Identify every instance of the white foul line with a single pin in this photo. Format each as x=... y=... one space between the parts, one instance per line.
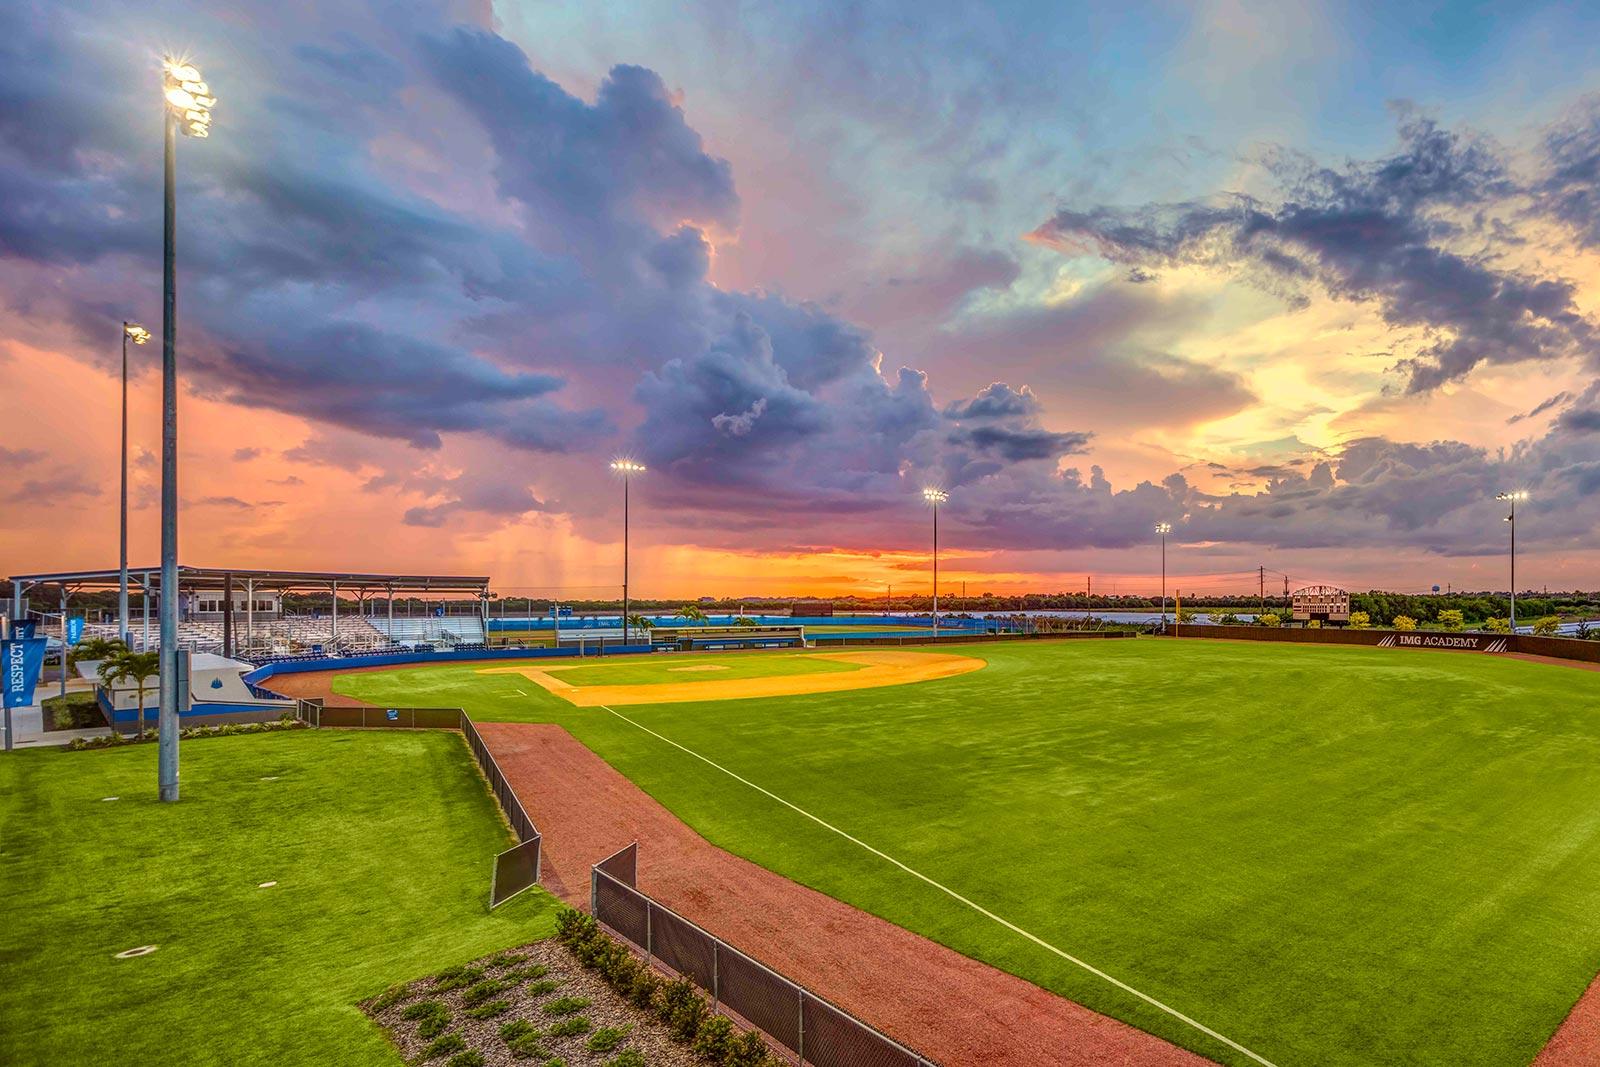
x=979 y=908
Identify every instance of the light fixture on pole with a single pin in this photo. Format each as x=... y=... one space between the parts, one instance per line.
x=188 y=108
x=935 y=497
x=1163 y=528
x=131 y=331
x=626 y=468
x=1511 y=498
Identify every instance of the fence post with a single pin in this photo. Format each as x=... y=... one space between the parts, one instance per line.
x=716 y=977
x=649 y=934
x=800 y=1053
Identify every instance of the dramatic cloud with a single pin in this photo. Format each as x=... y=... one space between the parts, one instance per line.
x=1413 y=233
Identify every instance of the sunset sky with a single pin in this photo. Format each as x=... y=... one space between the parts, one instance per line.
x=1312 y=282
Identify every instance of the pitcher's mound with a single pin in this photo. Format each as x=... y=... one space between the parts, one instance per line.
x=698 y=667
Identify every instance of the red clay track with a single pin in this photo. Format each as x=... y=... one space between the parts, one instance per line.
x=946 y=1006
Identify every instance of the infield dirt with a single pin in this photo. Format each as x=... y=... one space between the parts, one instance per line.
x=879 y=667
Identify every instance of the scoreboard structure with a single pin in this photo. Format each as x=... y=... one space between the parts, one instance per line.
x=1322 y=603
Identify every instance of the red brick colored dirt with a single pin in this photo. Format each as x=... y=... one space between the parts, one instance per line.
x=948 y=1007
x=1576 y=1042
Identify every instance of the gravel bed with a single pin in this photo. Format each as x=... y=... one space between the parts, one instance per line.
x=606 y=1008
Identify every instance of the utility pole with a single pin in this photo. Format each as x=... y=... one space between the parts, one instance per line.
x=1261 y=590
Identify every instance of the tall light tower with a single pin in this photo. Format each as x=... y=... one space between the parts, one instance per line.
x=626 y=468
x=1511 y=498
x=1163 y=528
x=935 y=497
x=131 y=331
x=188 y=108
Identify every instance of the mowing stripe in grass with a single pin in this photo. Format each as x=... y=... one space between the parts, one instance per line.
x=979 y=908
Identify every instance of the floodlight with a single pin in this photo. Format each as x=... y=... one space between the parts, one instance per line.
x=136 y=333
x=190 y=98
x=1163 y=527
x=935 y=496
x=627 y=466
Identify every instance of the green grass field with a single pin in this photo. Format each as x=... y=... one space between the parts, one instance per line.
x=655 y=670
x=1331 y=855
x=381 y=847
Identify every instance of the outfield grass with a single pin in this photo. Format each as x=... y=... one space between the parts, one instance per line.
x=381 y=846
x=1332 y=855
x=656 y=670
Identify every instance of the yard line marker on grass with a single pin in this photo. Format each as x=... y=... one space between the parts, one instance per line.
x=974 y=905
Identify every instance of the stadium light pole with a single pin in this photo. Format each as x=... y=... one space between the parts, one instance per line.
x=626 y=468
x=131 y=331
x=1512 y=497
x=188 y=104
x=1163 y=528
x=935 y=497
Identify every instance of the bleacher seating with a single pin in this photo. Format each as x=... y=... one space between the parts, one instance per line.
x=449 y=631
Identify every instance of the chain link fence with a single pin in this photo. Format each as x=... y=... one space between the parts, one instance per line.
x=813 y=1030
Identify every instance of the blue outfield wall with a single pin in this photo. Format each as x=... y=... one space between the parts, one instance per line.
x=604 y=622
x=401 y=659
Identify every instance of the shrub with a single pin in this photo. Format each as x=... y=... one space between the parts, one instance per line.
x=747 y=1050
x=523 y=974
x=574 y=926
x=566 y=1005
x=504 y=959
x=1497 y=626
x=529 y=1046
x=516 y=1028
x=607 y=1038
x=1269 y=619
x=644 y=989
x=470 y=1058
x=1227 y=618
x=489 y=1010
x=1546 y=626
x=1452 y=620
x=681 y=1007
x=1314 y=624
x=1404 y=622
x=1360 y=620
x=628 y=1057
x=431 y=1017
x=75 y=711
x=484 y=992
x=578 y=1024
x=539 y=989
x=390 y=997
x=457 y=978
x=713 y=1039
x=451 y=1042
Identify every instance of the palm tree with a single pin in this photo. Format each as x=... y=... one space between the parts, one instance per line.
x=138 y=666
x=640 y=622
x=95 y=649
x=691 y=613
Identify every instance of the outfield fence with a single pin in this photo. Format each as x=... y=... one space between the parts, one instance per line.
x=813 y=1030
x=517 y=868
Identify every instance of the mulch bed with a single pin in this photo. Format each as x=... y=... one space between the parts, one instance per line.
x=526 y=1001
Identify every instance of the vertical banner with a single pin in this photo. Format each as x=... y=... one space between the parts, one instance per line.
x=21 y=661
x=75 y=629
x=24 y=629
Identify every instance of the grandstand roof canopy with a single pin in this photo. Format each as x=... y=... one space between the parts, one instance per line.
x=264 y=579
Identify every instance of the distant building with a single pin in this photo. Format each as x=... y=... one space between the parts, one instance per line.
x=1322 y=603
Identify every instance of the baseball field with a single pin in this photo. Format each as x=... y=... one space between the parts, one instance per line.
x=1319 y=854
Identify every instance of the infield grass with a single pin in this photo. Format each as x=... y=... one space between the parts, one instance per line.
x=680 y=669
x=380 y=843
x=1331 y=855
